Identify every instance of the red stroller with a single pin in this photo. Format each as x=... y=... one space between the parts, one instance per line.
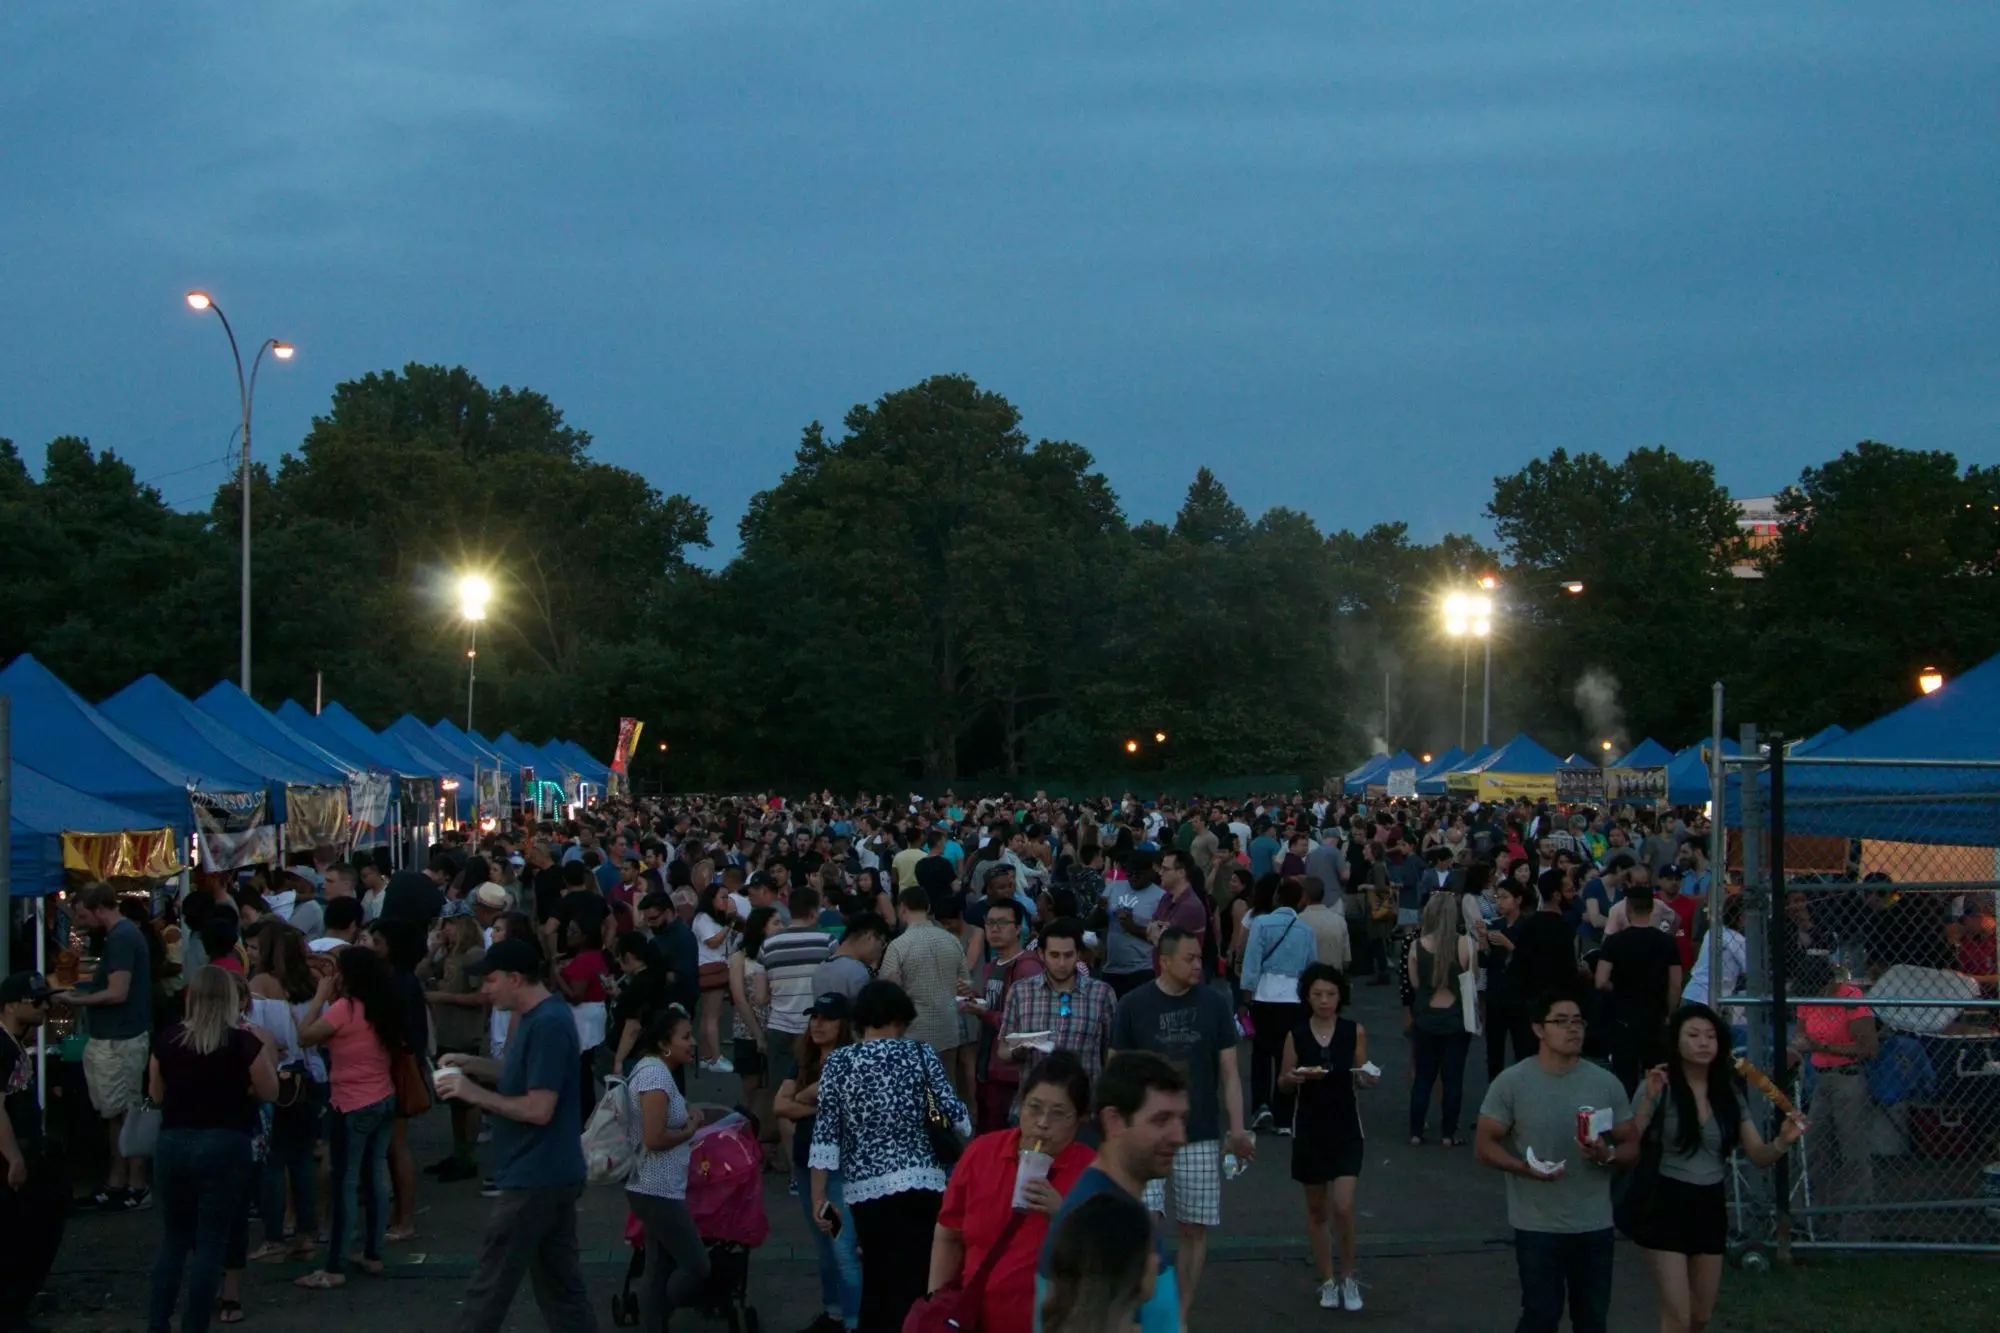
x=725 y=1195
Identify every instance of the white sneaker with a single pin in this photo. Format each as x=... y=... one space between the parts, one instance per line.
x=1329 y=1294
x=719 y=1065
x=1262 y=1120
x=1350 y=1295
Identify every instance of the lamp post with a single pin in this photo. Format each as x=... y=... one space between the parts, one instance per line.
x=1930 y=680
x=246 y=394
x=1468 y=616
x=474 y=592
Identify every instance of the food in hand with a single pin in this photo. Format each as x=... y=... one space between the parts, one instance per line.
x=1761 y=1081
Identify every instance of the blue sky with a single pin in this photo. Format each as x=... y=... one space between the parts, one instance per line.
x=1358 y=258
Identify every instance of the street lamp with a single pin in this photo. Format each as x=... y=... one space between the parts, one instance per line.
x=246 y=394
x=1159 y=738
x=474 y=592
x=1930 y=680
x=1131 y=747
x=1468 y=616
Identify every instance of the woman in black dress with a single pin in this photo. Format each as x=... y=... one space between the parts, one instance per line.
x=1325 y=1059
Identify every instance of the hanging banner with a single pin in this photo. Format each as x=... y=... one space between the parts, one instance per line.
x=1580 y=786
x=315 y=817
x=628 y=742
x=233 y=829
x=368 y=807
x=418 y=799
x=492 y=790
x=1403 y=783
x=1640 y=786
x=140 y=854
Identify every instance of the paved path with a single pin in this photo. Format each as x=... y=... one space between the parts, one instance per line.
x=1433 y=1237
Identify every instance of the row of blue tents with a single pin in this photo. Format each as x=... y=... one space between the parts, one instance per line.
x=148 y=758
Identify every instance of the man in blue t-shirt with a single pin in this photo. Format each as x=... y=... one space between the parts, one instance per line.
x=1142 y=1108
x=1264 y=850
x=535 y=1109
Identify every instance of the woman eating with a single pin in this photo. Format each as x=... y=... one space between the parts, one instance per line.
x=1324 y=1058
x=979 y=1213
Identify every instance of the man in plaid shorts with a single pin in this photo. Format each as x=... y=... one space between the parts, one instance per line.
x=1178 y=1017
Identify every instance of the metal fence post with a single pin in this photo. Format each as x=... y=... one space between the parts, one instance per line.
x=1781 y=1177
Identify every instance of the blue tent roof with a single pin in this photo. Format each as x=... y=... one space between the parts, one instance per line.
x=1818 y=741
x=510 y=745
x=1950 y=806
x=586 y=764
x=41 y=810
x=1523 y=754
x=470 y=744
x=1439 y=763
x=353 y=743
x=1377 y=770
x=1648 y=753
x=1433 y=783
x=1576 y=760
x=59 y=734
x=1687 y=775
x=230 y=706
x=157 y=713
x=445 y=760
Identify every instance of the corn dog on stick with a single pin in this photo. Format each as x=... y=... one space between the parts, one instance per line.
x=1761 y=1081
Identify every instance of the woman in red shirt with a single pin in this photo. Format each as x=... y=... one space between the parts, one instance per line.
x=979 y=1202
x=580 y=976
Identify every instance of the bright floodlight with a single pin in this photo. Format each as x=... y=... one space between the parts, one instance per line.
x=199 y=300
x=1930 y=680
x=1468 y=614
x=1605 y=746
x=474 y=592
x=283 y=351
x=1488 y=582
x=1573 y=587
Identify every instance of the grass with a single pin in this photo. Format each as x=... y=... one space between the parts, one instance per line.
x=1882 y=1294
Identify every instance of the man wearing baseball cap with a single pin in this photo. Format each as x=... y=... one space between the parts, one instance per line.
x=534 y=1100
x=34 y=1190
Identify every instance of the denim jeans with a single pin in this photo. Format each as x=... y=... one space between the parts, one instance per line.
x=839 y=1256
x=360 y=1154
x=294 y=1133
x=200 y=1179
x=1554 y=1264
x=1438 y=1057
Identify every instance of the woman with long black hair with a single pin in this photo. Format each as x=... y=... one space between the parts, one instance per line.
x=1704 y=1120
x=402 y=944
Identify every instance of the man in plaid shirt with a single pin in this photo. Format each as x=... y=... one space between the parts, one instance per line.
x=1075 y=1009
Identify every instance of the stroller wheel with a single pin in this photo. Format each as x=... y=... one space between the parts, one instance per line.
x=750 y=1321
x=625 y=1309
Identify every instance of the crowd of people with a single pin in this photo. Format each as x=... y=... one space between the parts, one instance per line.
x=1066 y=983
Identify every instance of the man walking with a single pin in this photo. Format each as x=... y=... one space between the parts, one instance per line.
x=1641 y=968
x=119 y=998
x=1142 y=1112
x=1177 y=1017
x=1076 y=1011
x=535 y=1109
x=1558 y=1201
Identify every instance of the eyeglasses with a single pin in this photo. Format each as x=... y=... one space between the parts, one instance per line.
x=1576 y=1021
x=1046 y=1113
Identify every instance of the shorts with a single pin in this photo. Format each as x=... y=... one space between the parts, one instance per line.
x=1197 y=1186
x=1685 y=1219
x=749 y=1061
x=114 y=1069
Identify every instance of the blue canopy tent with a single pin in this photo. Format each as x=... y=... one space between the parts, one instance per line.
x=1375 y=773
x=1576 y=760
x=163 y=717
x=587 y=765
x=64 y=738
x=1433 y=783
x=470 y=743
x=1687 y=775
x=351 y=742
x=1521 y=767
x=1648 y=753
x=1352 y=781
x=1816 y=742
x=42 y=810
x=1438 y=764
x=230 y=706
x=1907 y=803
x=412 y=737
x=512 y=747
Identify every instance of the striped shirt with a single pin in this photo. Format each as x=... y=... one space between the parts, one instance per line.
x=789 y=957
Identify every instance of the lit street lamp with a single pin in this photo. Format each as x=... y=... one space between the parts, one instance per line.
x=1131 y=747
x=474 y=592
x=1468 y=616
x=1930 y=680
x=246 y=394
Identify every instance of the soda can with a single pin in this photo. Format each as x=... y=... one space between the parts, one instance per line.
x=1583 y=1115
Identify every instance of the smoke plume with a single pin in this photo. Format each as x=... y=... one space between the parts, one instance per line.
x=1596 y=697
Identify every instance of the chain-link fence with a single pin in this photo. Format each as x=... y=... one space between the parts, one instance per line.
x=1869 y=996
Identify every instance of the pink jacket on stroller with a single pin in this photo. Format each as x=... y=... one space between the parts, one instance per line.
x=725 y=1189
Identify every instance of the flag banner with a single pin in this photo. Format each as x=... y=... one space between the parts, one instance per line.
x=315 y=817
x=233 y=829
x=368 y=805
x=628 y=742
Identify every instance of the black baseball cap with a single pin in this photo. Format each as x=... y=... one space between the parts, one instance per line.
x=24 y=986
x=509 y=956
x=832 y=1005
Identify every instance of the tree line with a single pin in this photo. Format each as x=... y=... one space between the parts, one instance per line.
x=928 y=595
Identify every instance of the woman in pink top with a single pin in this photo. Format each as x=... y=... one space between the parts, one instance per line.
x=1836 y=1039
x=357 y=1015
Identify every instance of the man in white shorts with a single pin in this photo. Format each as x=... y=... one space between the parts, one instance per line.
x=1176 y=1016
x=118 y=998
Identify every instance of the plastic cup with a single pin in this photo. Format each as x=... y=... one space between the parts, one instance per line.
x=1034 y=1166
x=446 y=1081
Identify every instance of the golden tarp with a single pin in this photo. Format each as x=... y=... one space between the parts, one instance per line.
x=141 y=854
x=315 y=817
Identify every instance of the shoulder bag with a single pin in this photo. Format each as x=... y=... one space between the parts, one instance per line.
x=1635 y=1195
x=944 y=1142
x=412 y=1078
x=1468 y=992
x=953 y=1308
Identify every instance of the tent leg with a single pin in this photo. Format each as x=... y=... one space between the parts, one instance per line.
x=42 y=1029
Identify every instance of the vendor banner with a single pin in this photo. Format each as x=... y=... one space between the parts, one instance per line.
x=418 y=803
x=1640 y=786
x=492 y=791
x=1403 y=783
x=233 y=829
x=628 y=743
x=315 y=817
x=1580 y=786
x=368 y=807
x=135 y=854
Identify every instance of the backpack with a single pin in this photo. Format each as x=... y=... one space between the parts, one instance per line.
x=611 y=1138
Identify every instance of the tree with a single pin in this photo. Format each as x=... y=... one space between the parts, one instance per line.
x=1886 y=562
x=1652 y=539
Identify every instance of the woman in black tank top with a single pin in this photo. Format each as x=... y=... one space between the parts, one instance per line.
x=1325 y=1060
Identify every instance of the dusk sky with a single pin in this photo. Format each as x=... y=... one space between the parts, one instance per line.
x=1357 y=258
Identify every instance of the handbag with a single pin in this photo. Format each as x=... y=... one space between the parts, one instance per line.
x=714 y=976
x=944 y=1141
x=413 y=1085
x=953 y=1308
x=1635 y=1196
x=139 y=1136
x=1468 y=1001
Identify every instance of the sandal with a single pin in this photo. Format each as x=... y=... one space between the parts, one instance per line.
x=270 y=1252
x=1416 y=1141
x=372 y=1267
x=400 y=1234
x=228 y=1312
x=304 y=1248
x=321 y=1280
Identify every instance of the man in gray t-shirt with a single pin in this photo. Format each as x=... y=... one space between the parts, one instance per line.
x=855 y=959
x=1128 y=951
x=1558 y=1189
